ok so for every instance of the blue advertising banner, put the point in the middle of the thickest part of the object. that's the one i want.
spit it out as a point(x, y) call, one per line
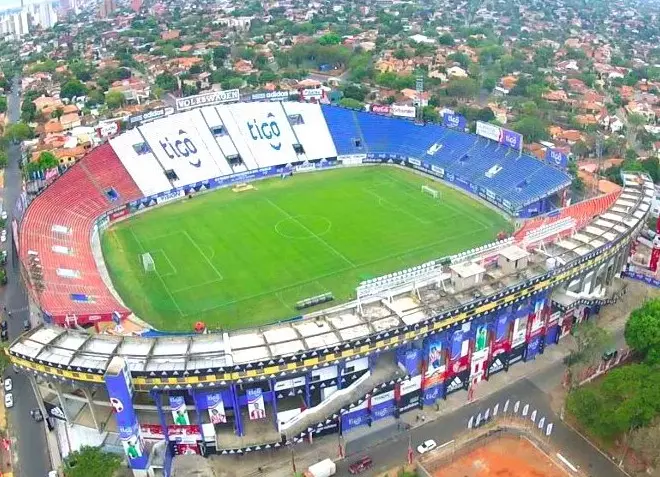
point(455, 352)
point(512, 139)
point(433, 393)
point(410, 360)
point(502, 326)
point(120, 391)
point(556, 158)
point(533, 347)
point(454, 121)
point(358, 416)
point(382, 405)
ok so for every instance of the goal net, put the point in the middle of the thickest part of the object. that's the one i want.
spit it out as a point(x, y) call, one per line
point(430, 191)
point(148, 262)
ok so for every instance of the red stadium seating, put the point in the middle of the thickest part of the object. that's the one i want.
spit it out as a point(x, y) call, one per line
point(582, 213)
point(74, 202)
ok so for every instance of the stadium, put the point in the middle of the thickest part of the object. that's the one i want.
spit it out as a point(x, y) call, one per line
point(346, 267)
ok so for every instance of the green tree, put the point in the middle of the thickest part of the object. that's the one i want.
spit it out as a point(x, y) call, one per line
point(73, 88)
point(4, 159)
point(28, 111)
point(591, 341)
point(645, 442)
point(462, 88)
point(220, 54)
point(4, 357)
point(167, 82)
point(18, 132)
point(3, 104)
point(446, 39)
point(429, 113)
point(47, 160)
point(533, 128)
point(57, 114)
point(351, 103)
point(642, 331)
point(460, 58)
point(330, 38)
point(91, 461)
point(114, 99)
point(355, 92)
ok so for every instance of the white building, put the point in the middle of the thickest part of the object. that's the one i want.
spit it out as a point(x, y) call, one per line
point(42, 14)
point(15, 25)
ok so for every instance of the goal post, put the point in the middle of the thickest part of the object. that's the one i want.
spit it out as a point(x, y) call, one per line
point(148, 262)
point(430, 191)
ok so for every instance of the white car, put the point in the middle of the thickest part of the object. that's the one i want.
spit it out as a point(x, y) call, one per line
point(426, 446)
point(9, 385)
point(3, 238)
point(9, 400)
point(3, 215)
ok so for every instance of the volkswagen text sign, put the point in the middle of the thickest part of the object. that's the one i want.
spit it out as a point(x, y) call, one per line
point(207, 99)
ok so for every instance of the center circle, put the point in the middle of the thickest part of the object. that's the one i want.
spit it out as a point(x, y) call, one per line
point(303, 226)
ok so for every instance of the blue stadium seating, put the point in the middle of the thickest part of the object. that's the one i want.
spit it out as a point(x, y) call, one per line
point(521, 180)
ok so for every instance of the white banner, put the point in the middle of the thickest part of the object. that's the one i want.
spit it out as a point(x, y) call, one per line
point(410, 385)
point(489, 131)
point(289, 383)
point(403, 111)
point(208, 99)
point(381, 398)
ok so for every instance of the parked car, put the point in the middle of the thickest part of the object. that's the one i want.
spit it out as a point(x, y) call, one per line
point(9, 400)
point(36, 414)
point(3, 325)
point(3, 215)
point(426, 446)
point(610, 354)
point(4, 335)
point(9, 385)
point(361, 465)
point(26, 325)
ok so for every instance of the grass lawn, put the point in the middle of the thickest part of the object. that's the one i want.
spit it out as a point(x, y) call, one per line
point(238, 259)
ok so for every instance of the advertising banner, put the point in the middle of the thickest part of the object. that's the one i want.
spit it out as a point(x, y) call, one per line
point(146, 116)
point(534, 347)
point(502, 327)
point(216, 408)
point(255, 401)
point(410, 401)
point(537, 317)
point(380, 109)
point(329, 426)
point(519, 331)
point(454, 121)
point(499, 362)
point(119, 386)
point(410, 385)
point(403, 111)
point(354, 417)
point(273, 95)
point(556, 158)
point(458, 382)
point(107, 129)
point(54, 411)
point(433, 393)
point(489, 131)
point(517, 353)
point(312, 93)
point(208, 99)
point(289, 383)
point(435, 364)
point(481, 338)
point(179, 410)
point(512, 139)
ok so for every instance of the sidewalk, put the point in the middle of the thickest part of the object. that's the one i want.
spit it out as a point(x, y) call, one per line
point(6, 457)
point(278, 463)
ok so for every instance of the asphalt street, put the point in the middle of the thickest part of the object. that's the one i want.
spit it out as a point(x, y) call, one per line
point(31, 453)
point(570, 444)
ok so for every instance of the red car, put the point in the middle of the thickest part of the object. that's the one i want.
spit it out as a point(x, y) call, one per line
point(360, 466)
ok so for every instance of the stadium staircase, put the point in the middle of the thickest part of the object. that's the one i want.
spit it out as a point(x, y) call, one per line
point(385, 370)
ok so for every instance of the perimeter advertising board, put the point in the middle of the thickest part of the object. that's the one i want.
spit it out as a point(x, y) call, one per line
point(208, 99)
point(556, 158)
point(403, 111)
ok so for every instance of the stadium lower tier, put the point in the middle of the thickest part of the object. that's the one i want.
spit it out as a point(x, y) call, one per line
point(374, 390)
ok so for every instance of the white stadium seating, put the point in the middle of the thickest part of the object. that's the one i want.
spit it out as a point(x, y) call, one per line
point(313, 132)
point(141, 165)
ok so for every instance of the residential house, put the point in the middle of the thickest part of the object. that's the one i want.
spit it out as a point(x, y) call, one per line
point(456, 72)
point(70, 121)
point(556, 96)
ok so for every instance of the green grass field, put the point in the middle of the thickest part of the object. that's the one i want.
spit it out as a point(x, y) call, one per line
point(235, 260)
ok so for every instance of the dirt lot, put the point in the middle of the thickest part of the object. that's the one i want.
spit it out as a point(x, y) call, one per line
point(505, 457)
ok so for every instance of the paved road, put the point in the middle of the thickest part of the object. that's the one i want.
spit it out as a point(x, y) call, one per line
point(571, 445)
point(31, 451)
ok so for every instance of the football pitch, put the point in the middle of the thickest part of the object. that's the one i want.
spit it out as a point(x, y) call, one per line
point(239, 259)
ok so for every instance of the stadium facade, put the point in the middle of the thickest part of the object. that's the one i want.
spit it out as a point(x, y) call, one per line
point(409, 339)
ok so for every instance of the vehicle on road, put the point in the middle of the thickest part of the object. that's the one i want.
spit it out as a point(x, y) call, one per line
point(3, 238)
point(361, 465)
point(3, 215)
point(26, 325)
point(9, 400)
point(9, 385)
point(426, 446)
point(325, 468)
point(4, 335)
point(36, 414)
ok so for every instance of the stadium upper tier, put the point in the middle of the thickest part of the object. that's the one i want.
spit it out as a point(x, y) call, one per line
point(579, 249)
point(218, 145)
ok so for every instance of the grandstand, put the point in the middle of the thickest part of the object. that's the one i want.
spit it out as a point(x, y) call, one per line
point(411, 338)
point(221, 145)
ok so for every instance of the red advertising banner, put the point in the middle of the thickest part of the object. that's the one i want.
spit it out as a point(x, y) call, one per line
point(380, 109)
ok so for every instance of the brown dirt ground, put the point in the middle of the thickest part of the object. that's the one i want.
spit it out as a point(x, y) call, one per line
point(505, 457)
